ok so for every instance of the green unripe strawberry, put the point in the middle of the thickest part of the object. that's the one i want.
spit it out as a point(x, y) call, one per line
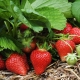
point(71, 59)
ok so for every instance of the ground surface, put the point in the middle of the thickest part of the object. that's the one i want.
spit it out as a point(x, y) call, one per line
point(56, 71)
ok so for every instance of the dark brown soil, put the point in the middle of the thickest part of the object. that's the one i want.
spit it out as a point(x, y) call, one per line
point(55, 71)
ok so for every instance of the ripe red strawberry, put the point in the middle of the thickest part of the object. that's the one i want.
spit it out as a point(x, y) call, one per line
point(64, 47)
point(75, 32)
point(67, 28)
point(17, 63)
point(2, 63)
point(23, 27)
point(40, 59)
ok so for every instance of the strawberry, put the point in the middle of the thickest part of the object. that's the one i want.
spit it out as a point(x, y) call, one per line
point(17, 63)
point(75, 35)
point(71, 59)
point(64, 47)
point(40, 59)
point(23, 27)
point(28, 49)
point(2, 63)
point(67, 28)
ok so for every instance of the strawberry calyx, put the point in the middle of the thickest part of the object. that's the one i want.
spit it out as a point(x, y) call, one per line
point(61, 36)
point(26, 42)
point(44, 46)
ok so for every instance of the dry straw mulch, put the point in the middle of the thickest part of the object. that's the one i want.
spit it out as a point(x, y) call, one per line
point(56, 71)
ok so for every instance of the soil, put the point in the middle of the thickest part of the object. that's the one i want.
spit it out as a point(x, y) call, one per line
point(56, 71)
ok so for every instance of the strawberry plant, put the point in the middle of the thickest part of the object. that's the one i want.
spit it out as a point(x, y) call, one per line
point(28, 26)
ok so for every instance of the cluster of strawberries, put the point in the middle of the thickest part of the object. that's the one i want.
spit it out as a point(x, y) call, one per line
point(18, 63)
point(41, 58)
point(67, 46)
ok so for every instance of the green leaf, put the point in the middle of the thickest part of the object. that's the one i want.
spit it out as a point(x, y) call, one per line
point(36, 27)
point(17, 2)
point(6, 15)
point(55, 17)
point(34, 17)
point(44, 16)
point(24, 3)
point(63, 5)
point(37, 3)
point(16, 12)
point(37, 21)
point(6, 43)
point(31, 1)
point(11, 8)
point(76, 10)
point(26, 6)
